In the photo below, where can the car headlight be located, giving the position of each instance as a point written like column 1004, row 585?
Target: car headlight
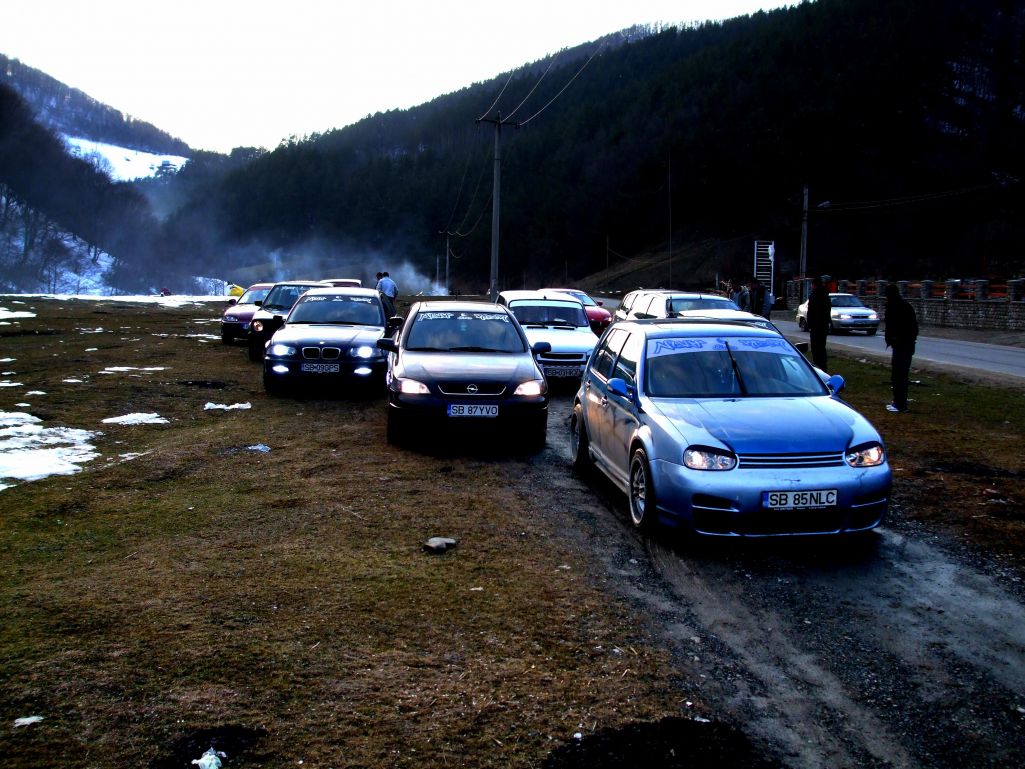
column 412, row 387
column 531, row 389
column 282, row 350
column 363, row 351
column 257, row 326
column 703, row 458
column 874, row 316
column 869, row 455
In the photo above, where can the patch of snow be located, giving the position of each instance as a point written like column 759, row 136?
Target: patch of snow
column 6, row 314
column 121, row 369
column 213, row 406
column 137, row 419
column 9, row 383
column 27, row 720
column 29, row 451
column 123, row 164
column 35, row 392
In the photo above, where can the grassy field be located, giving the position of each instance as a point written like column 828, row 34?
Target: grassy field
column 185, row 589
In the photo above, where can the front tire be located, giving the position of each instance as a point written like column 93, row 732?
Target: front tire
column 255, row 351
column 578, row 441
column 643, row 505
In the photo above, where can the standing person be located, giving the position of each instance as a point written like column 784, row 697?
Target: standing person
column 741, row 297
column 818, row 321
column 901, row 333
column 388, row 290
column 757, row 293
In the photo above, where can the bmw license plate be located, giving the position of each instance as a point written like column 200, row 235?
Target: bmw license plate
column 471, row 410
column 798, row 500
column 320, row 368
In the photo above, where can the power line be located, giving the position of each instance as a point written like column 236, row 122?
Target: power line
column 575, row 76
column 509, row 80
column 539, row 81
column 827, row 207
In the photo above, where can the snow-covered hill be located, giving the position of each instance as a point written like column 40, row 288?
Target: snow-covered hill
column 123, row 164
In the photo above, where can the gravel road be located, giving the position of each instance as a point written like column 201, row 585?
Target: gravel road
column 891, row 651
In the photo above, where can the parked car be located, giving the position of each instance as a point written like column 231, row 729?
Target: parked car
column 329, row 339
column 662, row 303
column 469, row 365
column 271, row 313
column 725, row 428
column 597, row 315
column 235, row 320
column 846, row 313
column 343, row 282
column 560, row 320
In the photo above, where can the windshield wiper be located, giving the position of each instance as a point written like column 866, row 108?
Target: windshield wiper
column 736, row 369
column 474, row 349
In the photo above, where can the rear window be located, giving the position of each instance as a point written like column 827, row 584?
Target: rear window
column 283, row 297
column 549, row 314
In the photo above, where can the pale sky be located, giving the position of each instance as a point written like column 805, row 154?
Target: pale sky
column 221, row 74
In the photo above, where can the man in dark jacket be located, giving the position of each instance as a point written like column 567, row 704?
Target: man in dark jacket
column 901, row 333
column 818, row 321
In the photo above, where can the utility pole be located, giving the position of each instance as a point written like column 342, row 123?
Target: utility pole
column 804, row 234
column 495, row 205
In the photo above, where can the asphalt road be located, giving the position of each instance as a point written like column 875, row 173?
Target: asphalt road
column 973, row 356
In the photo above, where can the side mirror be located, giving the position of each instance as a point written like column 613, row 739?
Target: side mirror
column 232, row 301
column 599, row 302
column 643, row 316
column 393, row 324
column 258, row 303
column 835, row 384
column 540, row 347
column 384, row 343
column 618, row 386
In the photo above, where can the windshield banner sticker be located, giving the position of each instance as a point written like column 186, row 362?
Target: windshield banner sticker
column 659, row 347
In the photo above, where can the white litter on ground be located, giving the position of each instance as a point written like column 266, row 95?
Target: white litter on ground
column 214, row 406
column 137, row 419
column 29, row 451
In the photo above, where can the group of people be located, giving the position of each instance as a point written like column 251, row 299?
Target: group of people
column 901, row 333
column 754, row 297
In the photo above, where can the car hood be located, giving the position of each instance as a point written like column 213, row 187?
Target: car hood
column 597, row 313
column 336, row 336
column 580, row 340
column 240, row 311
column 484, row 367
column 768, row 425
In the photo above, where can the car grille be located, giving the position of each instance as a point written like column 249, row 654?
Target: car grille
column 465, row 388
column 784, row 461
column 322, row 353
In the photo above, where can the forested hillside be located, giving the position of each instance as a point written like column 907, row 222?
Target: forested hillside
column 904, row 117
column 70, row 111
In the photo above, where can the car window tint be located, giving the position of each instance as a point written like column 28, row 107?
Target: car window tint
column 464, row 331
column 605, row 357
column 359, row 310
column 626, row 364
column 548, row 314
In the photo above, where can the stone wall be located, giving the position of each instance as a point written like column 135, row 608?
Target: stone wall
column 956, row 304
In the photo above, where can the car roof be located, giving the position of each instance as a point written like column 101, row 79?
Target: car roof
column 259, row 285
column 840, row 293
column 519, row 296
column 342, row 291
column 698, row 327
column 457, row 306
column 298, row 283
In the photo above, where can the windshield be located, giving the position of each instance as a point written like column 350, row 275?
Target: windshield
column 845, row 300
column 728, row 367
column 462, row 331
column 584, row 298
column 253, row 295
column 339, row 310
column 552, row 314
column 684, row 304
column 283, row 297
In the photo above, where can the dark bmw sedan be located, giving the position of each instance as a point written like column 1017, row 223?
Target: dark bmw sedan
column 465, row 365
column 329, row 340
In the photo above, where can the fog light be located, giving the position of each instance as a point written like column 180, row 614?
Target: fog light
column 362, row 371
column 279, row 369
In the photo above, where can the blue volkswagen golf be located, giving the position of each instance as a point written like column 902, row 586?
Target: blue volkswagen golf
column 725, row 428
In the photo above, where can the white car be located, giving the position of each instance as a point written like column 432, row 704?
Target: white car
column 559, row 320
column 661, row 303
column 846, row 313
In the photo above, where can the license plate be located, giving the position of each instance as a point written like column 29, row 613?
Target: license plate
column 797, row 500
column 557, row 371
column 468, row 410
column 320, row 368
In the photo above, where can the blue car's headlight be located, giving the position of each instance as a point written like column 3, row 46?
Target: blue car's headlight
column 363, row 351
column 281, row 350
column 868, row 455
column 705, row 458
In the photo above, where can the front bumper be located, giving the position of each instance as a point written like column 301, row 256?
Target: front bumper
column 729, row 503
column 289, row 372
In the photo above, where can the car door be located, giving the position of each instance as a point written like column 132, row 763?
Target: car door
column 595, row 390
column 622, row 413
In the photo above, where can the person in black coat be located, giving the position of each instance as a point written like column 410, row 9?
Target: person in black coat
column 901, row 333
column 818, row 321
